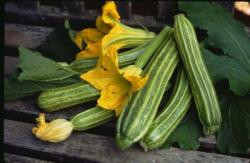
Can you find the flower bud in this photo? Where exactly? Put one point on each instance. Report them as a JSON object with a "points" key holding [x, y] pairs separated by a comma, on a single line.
{"points": [[54, 131]]}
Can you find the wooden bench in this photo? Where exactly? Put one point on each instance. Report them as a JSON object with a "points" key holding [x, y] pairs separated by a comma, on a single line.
{"points": [[27, 23]]}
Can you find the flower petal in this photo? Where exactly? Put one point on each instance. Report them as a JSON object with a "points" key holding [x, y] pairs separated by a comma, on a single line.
{"points": [[105, 74], [110, 13], [132, 74], [113, 97], [101, 26], [91, 51], [88, 35]]}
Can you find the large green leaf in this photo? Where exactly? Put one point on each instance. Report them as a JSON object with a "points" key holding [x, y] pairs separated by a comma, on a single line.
{"points": [[233, 136], [35, 67], [188, 132], [223, 67], [227, 34], [15, 89]]}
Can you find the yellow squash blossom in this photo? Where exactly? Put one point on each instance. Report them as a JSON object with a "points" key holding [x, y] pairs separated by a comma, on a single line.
{"points": [[116, 85], [54, 131], [111, 32], [92, 37]]}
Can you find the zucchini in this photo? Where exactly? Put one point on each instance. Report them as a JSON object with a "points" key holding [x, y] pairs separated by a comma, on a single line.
{"points": [[201, 84], [138, 114], [63, 97], [96, 116], [171, 115], [91, 118]]}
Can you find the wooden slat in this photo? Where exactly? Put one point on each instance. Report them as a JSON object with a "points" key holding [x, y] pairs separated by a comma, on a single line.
{"points": [[10, 64], [28, 5], [83, 146], [27, 110], [32, 36], [25, 35], [12, 158], [74, 7], [49, 16]]}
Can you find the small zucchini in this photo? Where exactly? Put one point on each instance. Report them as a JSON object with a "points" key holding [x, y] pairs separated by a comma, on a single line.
{"points": [[63, 97], [91, 118], [201, 84]]}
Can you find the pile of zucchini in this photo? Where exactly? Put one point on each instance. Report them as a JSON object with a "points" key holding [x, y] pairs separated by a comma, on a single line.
{"points": [[174, 51]]}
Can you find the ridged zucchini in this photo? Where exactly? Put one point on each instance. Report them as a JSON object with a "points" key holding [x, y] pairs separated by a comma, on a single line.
{"points": [[91, 118], [170, 116], [138, 114], [63, 97], [96, 116], [201, 84]]}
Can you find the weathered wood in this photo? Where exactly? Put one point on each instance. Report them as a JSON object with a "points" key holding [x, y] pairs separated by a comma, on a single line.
{"points": [[12, 158], [33, 36], [27, 110], [49, 16], [25, 35], [10, 64], [74, 7], [84, 146], [29, 5]]}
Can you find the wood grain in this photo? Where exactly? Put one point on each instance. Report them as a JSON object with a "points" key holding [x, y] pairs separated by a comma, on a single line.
{"points": [[12, 158], [84, 146]]}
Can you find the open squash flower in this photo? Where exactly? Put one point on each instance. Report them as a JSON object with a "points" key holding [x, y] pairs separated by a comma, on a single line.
{"points": [[115, 84], [109, 32], [55, 131]]}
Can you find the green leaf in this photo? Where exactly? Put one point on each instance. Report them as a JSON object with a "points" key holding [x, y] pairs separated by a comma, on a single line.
{"points": [[59, 44], [233, 136], [223, 67], [227, 34], [14, 89], [186, 135], [35, 67]]}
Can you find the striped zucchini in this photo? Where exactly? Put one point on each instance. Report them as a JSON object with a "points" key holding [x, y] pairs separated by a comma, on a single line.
{"points": [[91, 118], [171, 115], [63, 97], [138, 114], [125, 58], [201, 85], [96, 116]]}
